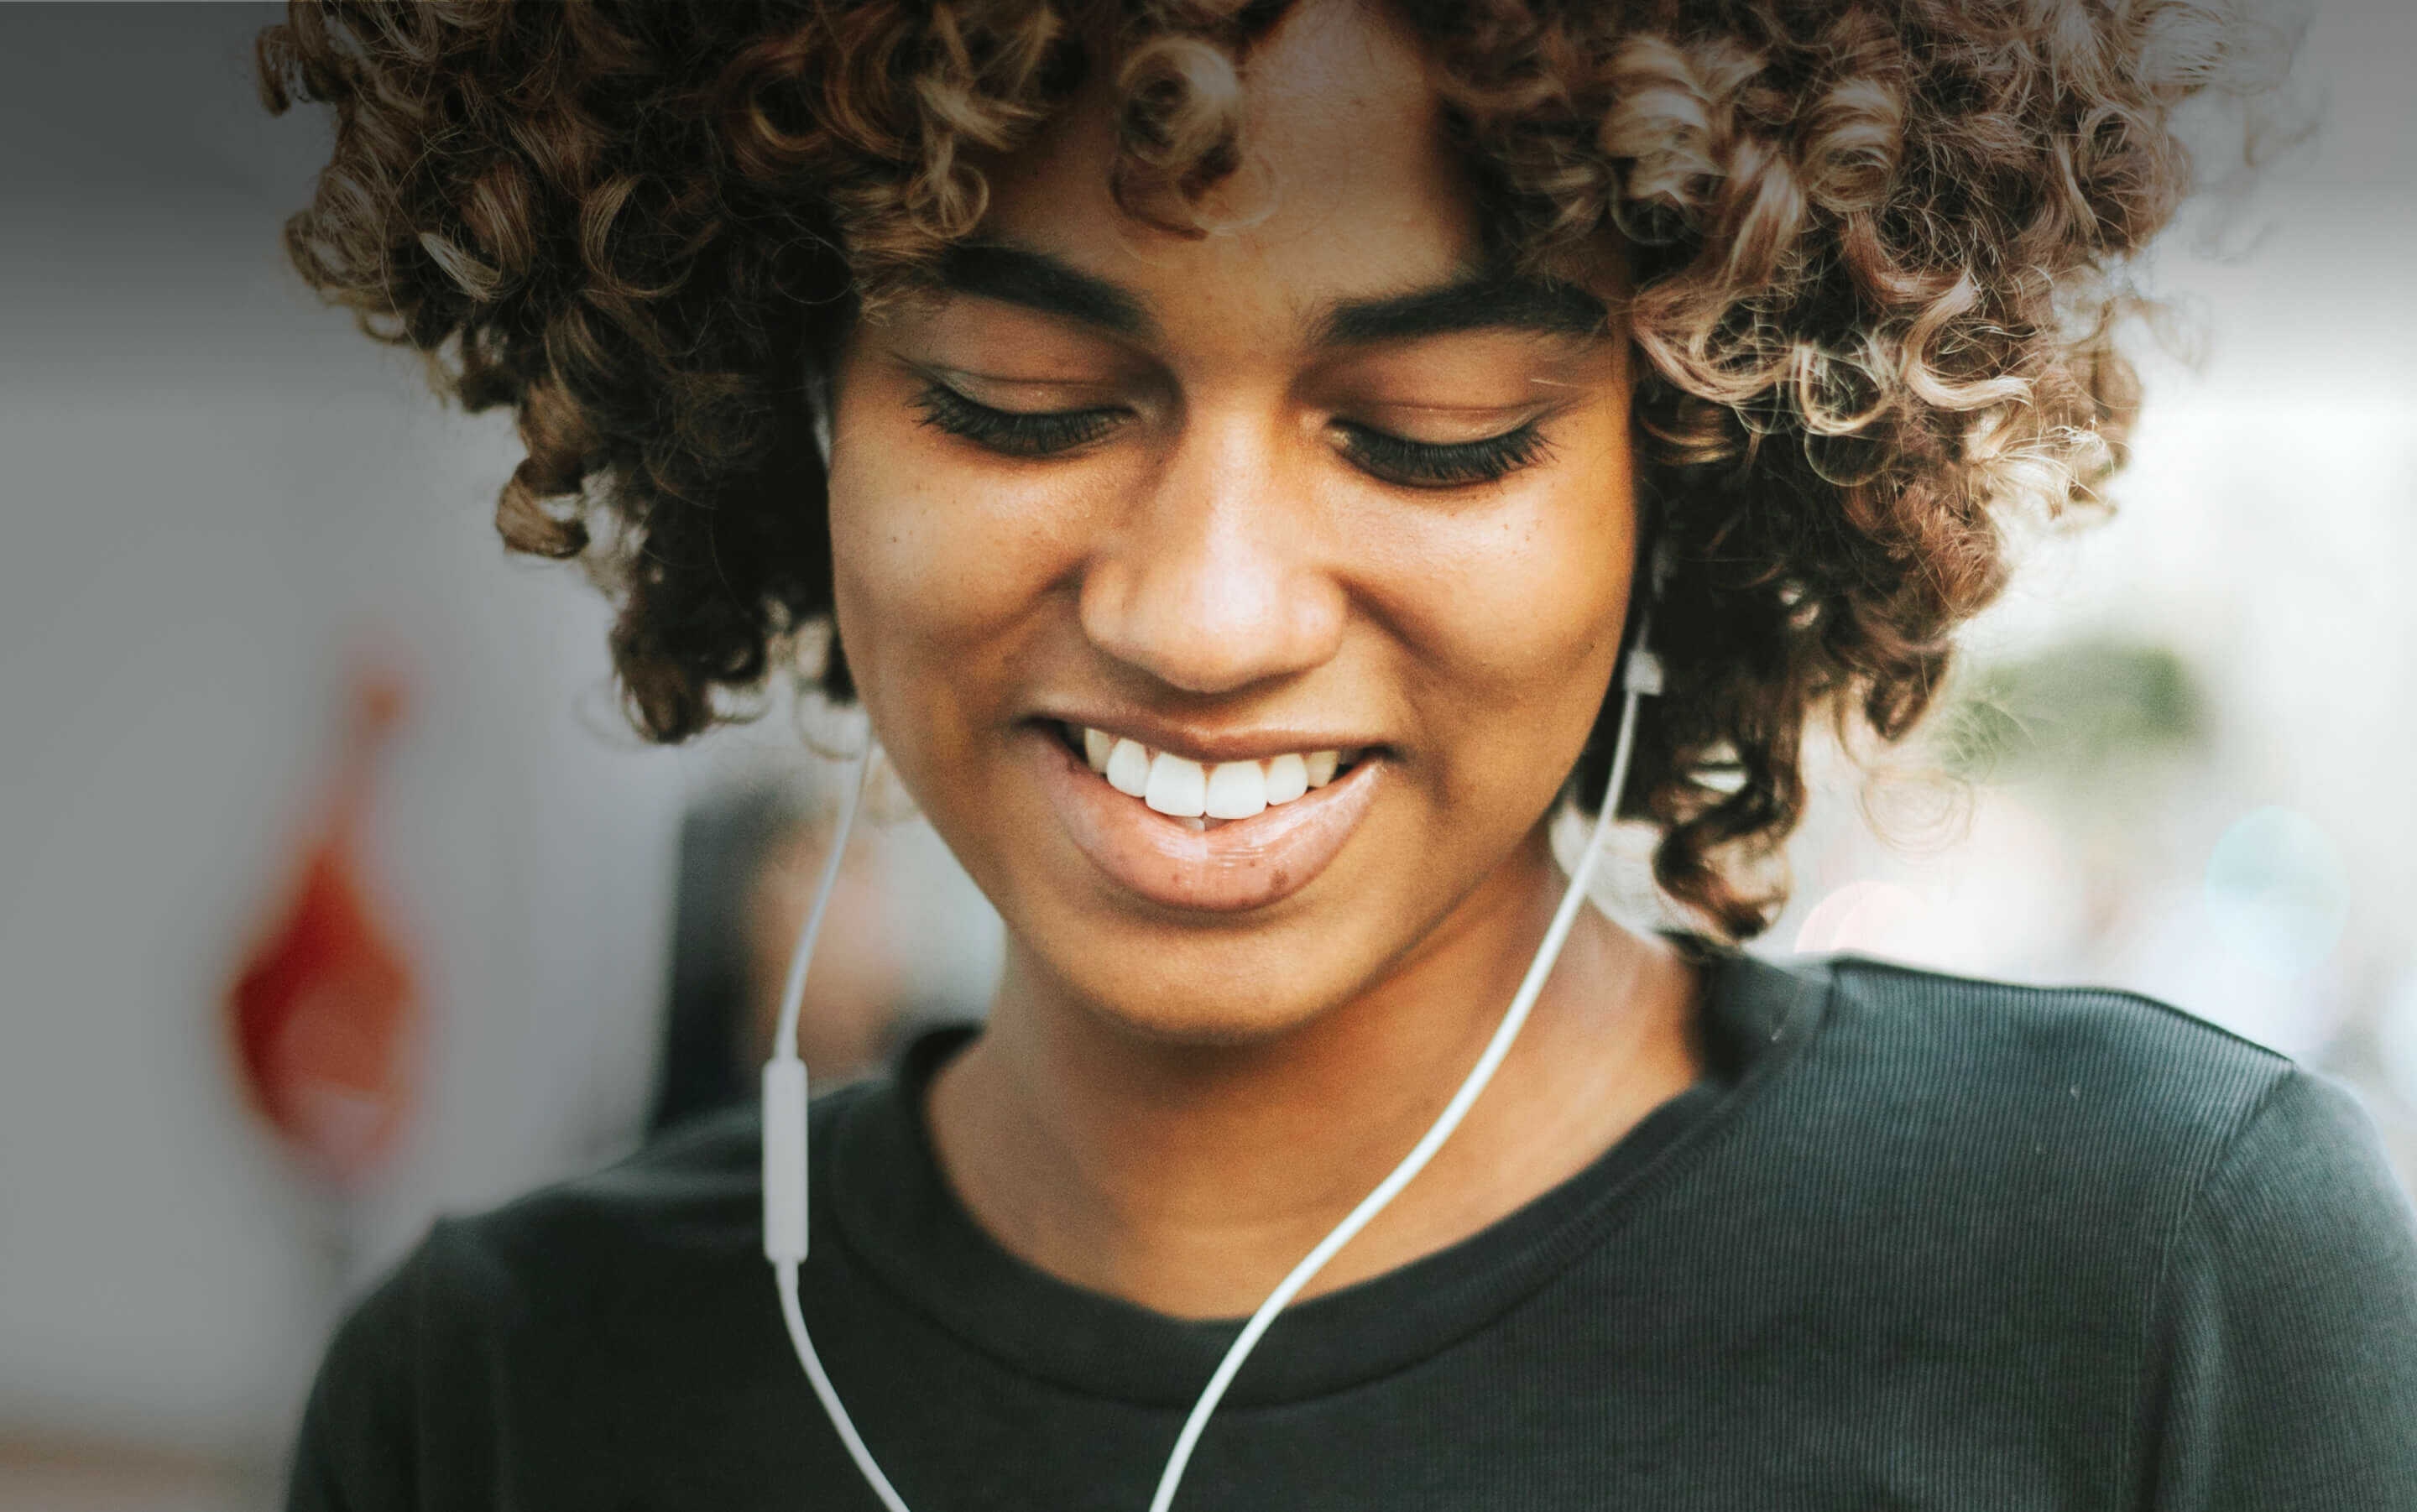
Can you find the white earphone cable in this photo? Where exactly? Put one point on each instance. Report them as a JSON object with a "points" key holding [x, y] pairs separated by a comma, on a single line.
{"points": [[792, 1315], [793, 988], [785, 1143], [1513, 1018], [784, 1119]]}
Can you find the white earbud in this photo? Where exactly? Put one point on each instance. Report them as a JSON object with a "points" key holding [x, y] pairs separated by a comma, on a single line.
{"points": [[786, 1100]]}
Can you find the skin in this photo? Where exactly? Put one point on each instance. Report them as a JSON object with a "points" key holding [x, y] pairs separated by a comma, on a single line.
{"points": [[858, 972], [1172, 1104]]}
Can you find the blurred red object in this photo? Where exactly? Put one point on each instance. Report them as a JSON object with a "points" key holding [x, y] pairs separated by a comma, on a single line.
{"points": [[322, 1012]]}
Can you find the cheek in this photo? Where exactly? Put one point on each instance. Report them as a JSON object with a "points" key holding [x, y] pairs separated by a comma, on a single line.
{"points": [[936, 565], [1520, 605], [927, 594]]}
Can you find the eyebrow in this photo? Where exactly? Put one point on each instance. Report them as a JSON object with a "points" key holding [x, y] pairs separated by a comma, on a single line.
{"points": [[1478, 302], [1035, 281], [1481, 301]]}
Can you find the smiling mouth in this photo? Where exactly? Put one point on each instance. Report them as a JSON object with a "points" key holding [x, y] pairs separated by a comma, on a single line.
{"points": [[1203, 796]]}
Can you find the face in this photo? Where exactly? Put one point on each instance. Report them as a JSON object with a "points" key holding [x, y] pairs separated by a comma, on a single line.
{"points": [[1316, 524]]}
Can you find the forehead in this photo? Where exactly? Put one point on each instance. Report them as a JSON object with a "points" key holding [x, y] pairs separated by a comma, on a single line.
{"points": [[1349, 185]]}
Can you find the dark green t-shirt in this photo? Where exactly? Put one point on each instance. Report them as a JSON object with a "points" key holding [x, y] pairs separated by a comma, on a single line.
{"points": [[1913, 1242]]}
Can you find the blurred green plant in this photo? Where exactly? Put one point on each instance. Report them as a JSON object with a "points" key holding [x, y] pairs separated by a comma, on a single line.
{"points": [[2073, 712]]}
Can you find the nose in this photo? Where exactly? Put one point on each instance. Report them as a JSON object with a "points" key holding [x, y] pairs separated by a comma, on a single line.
{"points": [[1211, 580]]}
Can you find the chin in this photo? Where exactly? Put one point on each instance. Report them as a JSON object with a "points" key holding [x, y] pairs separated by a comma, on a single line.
{"points": [[1236, 983], [1180, 1014]]}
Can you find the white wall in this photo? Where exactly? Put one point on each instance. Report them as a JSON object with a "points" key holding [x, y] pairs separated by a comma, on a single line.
{"points": [[213, 491], [215, 495]]}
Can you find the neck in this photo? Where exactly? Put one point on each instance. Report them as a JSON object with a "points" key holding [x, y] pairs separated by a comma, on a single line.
{"points": [[1190, 1178]]}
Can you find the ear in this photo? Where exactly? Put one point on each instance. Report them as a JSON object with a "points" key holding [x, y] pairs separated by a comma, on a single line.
{"points": [[818, 406]]}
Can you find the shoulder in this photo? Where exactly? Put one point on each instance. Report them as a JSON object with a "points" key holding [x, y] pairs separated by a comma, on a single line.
{"points": [[2085, 1184], [691, 1201], [557, 1246], [2068, 1127], [1946, 1017], [2131, 1082], [2099, 1157], [646, 1267]]}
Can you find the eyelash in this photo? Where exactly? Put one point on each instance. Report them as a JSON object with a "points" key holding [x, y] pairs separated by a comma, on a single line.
{"points": [[1004, 430], [1379, 453], [1422, 465]]}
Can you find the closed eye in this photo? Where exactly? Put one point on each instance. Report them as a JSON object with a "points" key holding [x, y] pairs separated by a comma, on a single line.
{"points": [[1012, 432], [1422, 464], [1381, 454]]}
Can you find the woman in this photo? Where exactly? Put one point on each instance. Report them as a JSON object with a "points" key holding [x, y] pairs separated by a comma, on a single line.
{"points": [[1217, 444]]}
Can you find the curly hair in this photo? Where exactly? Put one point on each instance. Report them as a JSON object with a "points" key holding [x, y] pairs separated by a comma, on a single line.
{"points": [[1878, 250]]}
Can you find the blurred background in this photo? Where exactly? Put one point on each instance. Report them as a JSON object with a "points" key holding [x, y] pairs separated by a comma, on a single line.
{"points": [[334, 894]]}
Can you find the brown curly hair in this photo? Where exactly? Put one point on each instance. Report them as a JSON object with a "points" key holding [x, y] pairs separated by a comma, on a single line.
{"points": [[1878, 250]]}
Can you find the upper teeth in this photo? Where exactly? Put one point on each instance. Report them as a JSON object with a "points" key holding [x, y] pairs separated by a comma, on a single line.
{"points": [[1192, 790]]}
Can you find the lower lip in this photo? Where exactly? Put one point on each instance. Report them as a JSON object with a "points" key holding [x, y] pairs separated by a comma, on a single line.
{"points": [[1241, 865]]}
